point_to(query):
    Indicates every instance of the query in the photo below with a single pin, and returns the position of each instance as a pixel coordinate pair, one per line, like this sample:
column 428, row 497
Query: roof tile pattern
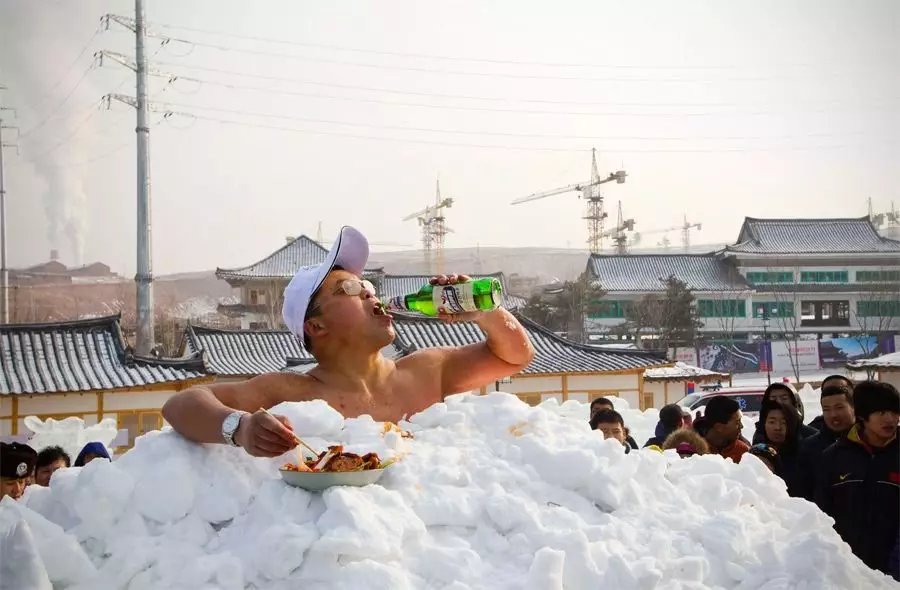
column 648, row 272
column 281, row 264
column 244, row 352
column 811, row 236
column 553, row 354
column 82, row 355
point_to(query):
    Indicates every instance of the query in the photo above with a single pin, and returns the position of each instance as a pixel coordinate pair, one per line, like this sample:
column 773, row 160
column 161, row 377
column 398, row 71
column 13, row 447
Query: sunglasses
column 354, row 287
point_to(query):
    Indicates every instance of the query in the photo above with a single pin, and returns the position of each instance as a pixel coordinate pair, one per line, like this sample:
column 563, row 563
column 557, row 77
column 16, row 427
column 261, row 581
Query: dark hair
column 312, row 310
column 847, row 381
column 791, row 418
column 671, row 416
column 832, row 390
column 607, row 417
column 769, row 453
column 795, row 398
column 601, row 401
column 875, row 396
column 719, row 410
column 49, row 455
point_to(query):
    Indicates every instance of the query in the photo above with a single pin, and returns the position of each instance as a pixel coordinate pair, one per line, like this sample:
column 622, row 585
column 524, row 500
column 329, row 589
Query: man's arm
column 197, row 414
column 506, row 351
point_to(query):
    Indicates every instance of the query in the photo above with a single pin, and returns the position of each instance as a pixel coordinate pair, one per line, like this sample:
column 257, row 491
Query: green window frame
column 610, row 309
column 824, row 276
column 775, row 309
column 877, row 276
column 759, row 278
column 724, row 308
column 878, row 309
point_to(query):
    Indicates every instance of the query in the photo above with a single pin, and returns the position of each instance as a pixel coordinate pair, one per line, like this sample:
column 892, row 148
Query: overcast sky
column 716, row 109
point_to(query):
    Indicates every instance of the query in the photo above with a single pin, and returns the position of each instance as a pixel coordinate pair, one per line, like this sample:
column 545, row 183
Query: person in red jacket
column 721, row 427
column 859, row 482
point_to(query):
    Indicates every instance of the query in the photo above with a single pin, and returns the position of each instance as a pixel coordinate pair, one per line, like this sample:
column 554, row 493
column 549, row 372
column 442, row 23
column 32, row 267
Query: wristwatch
column 230, row 426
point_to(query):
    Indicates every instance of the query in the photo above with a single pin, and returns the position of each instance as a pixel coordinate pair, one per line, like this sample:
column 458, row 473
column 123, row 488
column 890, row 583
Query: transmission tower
column 4, row 270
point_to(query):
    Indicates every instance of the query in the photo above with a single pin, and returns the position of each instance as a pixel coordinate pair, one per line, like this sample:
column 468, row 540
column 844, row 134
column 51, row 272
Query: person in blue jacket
column 91, row 451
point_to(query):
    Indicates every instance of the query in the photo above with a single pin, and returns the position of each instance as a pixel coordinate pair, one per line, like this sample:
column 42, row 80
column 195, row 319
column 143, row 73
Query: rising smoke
column 42, row 82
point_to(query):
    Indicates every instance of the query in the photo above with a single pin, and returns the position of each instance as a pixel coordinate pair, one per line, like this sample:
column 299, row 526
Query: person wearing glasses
column 344, row 326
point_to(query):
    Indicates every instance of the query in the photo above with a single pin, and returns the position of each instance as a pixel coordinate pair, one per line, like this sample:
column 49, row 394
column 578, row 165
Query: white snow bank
column 490, row 494
column 71, row 434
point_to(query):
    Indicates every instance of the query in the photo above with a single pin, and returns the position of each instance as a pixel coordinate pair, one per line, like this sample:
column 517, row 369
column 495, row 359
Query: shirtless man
column 344, row 326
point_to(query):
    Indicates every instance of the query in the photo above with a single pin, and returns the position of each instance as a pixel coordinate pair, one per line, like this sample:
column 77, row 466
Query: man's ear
column 314, row 326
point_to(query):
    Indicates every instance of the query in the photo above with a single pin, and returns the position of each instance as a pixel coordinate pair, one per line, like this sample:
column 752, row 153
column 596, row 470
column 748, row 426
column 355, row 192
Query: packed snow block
column 490, row 494
column 70, row 433
column 40, row 548
column 314, row 418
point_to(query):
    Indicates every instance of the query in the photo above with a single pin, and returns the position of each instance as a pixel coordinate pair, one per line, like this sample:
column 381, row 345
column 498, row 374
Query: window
column 725, row 308
column 254, row 298
column 773, row 309
column 138, row 422
column 825, row 313
column 877, row 276
column 824, row 276
column 609, row 309
column 532, row 399
column 758, row 278
column 883, row 309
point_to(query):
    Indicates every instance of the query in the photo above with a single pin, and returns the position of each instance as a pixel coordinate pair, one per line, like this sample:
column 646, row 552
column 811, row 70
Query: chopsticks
column 297, row 438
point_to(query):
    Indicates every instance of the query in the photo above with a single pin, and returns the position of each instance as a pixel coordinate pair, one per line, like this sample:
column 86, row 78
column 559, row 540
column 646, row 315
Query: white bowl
column 314, row 481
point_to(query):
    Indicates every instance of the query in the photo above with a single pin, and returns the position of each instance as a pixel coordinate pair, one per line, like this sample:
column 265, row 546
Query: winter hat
column 17, row 460
column 875, row 396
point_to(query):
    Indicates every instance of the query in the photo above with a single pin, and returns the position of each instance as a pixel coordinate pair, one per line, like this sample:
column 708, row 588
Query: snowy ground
column 490, row 494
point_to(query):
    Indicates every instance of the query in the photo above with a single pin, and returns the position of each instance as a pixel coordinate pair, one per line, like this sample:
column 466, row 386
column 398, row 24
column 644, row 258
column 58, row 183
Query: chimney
column 54, row 255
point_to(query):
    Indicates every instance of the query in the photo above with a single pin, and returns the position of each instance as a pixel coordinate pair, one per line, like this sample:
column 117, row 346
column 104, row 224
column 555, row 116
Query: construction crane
column 434, row 229
column 685, row 228
column 590, row 192
column 618, row 233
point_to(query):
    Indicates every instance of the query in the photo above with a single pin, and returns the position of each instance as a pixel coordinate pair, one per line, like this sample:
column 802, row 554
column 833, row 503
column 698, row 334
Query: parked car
column 749, row 398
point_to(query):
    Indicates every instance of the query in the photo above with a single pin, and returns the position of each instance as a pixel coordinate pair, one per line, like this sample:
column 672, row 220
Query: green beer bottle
column 478, row 295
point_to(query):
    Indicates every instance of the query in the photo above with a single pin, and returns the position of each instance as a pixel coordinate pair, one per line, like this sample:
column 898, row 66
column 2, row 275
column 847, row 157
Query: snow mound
column 71, row 434
column 490, row 494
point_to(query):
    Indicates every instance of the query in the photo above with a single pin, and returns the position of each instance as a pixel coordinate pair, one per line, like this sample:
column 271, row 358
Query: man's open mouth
column 379, row 310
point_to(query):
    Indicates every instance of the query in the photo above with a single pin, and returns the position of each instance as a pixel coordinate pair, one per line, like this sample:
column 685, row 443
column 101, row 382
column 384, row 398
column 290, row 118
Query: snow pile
column 490, row 494
column 71, row 434
column 680, row 371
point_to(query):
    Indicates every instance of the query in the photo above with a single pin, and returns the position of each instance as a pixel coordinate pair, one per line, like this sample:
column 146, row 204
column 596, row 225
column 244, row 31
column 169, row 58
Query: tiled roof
column 648, row 272
column 681, row 372
column 254, row 352
column 811, row 236
column 82, row 355
column 395, row 285
column 553, row 354
column 281, row 264
column 885, row 362
column 243, row 352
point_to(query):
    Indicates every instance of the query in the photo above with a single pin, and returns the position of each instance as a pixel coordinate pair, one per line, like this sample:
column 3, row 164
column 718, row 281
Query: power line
column 467, row 97
column 65, row 75
column 165, row 106
column 454, row 58
column 263, row 89
column 508, row 147
column 50, row 116
column 444, row 71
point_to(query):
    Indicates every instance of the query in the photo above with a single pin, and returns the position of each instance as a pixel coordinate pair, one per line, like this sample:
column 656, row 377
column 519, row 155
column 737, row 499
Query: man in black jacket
column 859, row 483
column 602, row 404
column 838, row 416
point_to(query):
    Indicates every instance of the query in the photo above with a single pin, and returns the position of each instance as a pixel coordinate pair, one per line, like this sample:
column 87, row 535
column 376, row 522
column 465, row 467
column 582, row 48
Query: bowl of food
column 334, row 467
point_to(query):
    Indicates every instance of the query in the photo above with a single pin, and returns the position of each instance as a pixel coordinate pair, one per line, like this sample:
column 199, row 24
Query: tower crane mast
column 433, row 226
column 590, row 192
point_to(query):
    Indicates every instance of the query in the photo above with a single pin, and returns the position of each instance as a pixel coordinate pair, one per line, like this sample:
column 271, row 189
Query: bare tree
column 568, row 307
column 671, row 315
column 877, row 314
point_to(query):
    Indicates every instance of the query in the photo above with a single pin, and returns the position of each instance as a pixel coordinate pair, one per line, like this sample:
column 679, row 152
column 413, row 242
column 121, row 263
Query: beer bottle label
column 452, row 299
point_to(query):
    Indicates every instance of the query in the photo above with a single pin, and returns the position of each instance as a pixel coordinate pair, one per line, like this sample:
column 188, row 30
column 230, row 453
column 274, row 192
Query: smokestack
column 54, row 255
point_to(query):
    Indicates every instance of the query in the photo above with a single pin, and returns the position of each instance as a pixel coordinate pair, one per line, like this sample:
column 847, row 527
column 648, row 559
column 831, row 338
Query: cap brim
column 350, row 251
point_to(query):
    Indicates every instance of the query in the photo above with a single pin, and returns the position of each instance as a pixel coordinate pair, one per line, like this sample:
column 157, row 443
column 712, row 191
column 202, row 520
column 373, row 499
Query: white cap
column 350, row 251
